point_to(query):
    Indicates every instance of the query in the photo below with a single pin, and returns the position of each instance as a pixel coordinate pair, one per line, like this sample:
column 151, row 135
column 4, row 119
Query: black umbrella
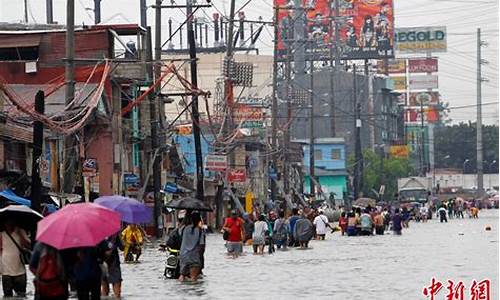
column 188, row 203
column 21, row 215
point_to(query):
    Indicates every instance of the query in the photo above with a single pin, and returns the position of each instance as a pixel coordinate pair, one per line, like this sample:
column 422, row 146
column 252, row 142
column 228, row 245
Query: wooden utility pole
column 36, row 182
column 195, row 115
column 69, row 140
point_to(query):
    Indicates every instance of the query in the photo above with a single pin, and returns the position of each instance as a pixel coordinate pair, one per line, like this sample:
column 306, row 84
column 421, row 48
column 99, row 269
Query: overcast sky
column 457, row 67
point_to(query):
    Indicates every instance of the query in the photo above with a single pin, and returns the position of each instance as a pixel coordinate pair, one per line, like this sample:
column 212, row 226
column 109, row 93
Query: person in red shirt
column 234, row 226
column 343, row 222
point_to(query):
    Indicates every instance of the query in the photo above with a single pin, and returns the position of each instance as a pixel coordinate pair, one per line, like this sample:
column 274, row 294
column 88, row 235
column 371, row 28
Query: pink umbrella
column 78, row 225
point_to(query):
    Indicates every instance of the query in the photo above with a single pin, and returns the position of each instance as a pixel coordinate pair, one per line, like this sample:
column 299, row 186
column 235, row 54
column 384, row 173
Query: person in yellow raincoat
column 132, row 238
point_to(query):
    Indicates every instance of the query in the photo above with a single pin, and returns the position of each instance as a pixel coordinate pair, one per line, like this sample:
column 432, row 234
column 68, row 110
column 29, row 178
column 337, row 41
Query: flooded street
column 378, row 267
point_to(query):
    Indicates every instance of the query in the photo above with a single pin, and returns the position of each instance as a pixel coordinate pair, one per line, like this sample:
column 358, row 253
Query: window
column 335, row 153
column 318, row 155
column 24, row 53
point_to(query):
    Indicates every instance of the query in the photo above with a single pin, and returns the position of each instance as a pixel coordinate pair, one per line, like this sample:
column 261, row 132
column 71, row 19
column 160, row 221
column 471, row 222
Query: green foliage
column 457, row 143
column 381, row 171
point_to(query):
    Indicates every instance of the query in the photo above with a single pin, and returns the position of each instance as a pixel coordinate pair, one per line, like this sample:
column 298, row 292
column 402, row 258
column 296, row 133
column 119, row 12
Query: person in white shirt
column 423, row 213
column 321, row 222
column 13, row 269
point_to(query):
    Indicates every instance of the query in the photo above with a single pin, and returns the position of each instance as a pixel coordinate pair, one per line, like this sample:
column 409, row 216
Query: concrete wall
column 464, row 180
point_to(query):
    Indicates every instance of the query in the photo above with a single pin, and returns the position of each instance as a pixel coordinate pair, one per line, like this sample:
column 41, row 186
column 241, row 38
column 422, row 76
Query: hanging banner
column 422, row 82
column 423, row 65
column 424, row 98
column 399, row 83
column 393, row 66
column 421, row 39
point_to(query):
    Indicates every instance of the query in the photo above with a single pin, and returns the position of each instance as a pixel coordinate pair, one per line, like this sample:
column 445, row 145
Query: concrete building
column 330, row 167
column 31, row 59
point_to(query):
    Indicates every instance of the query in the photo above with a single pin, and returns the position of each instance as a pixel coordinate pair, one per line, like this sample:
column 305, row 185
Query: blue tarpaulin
column 9, row 194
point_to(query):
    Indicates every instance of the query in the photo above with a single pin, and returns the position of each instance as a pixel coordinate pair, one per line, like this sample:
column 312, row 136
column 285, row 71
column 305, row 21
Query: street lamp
column 489, row 166
column 463, row 175
column 465, row 163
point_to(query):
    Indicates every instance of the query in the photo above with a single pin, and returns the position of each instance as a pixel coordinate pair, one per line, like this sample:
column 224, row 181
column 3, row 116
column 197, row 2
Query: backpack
column 49, row 276
column 281, row 232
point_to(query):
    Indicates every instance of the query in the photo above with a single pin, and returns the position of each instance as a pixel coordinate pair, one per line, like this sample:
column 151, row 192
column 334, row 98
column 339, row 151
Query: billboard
column 424, row 98
column 393, row 66
column 423, row 65
column 421, row 39
column 422, row 82
column 413, row 115
column 237, row 175
column 399, row 82
column 367, row 31
column 248, row 116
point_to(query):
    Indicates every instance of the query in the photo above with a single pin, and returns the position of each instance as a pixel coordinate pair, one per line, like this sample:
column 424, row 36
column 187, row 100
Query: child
column 343, row 222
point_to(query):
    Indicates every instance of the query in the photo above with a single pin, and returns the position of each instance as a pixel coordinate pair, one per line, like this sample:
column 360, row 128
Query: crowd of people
column 88, row 272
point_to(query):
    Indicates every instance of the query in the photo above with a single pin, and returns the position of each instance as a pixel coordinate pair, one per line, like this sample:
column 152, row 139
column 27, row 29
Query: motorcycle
column 172, row 267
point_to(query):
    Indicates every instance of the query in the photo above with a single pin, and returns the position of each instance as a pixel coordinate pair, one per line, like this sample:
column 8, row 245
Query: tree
column 457, row 143
column 379, row 170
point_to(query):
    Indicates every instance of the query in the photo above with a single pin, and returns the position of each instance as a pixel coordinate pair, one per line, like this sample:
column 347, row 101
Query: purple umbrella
column 130, row 210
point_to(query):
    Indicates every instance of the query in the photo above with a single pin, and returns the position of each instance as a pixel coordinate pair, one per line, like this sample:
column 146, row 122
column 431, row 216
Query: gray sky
column 457, row 67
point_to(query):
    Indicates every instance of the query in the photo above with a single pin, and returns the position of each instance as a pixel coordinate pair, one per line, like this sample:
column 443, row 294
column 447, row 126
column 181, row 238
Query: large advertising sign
column 423, row 65
column 424, row 98
column 399, row 151
column 247, row 116
column 367, row 31
column 421, row 39
column 216, row 162
column 414, row 115
column 393, row 66
column 421, row 82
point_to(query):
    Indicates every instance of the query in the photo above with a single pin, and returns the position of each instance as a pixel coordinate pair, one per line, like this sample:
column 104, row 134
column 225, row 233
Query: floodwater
column 376, row 267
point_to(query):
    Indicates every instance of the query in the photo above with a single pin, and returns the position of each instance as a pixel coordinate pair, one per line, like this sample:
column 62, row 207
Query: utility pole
column 69, row 140
column 25, row 11
column 97, row 11
column 479, row 122
column 357, row 138
column 228, row 85
column 274, row 104
column 49, row 11
column 334, row 55
column 311, row 127
column 200, row 195
column 144, row 20
column 36, row 182
column 287, row 129
column 154, row 119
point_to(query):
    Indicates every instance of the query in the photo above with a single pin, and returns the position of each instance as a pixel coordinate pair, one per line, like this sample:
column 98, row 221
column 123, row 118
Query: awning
column 20, row 41
column 9, row 195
